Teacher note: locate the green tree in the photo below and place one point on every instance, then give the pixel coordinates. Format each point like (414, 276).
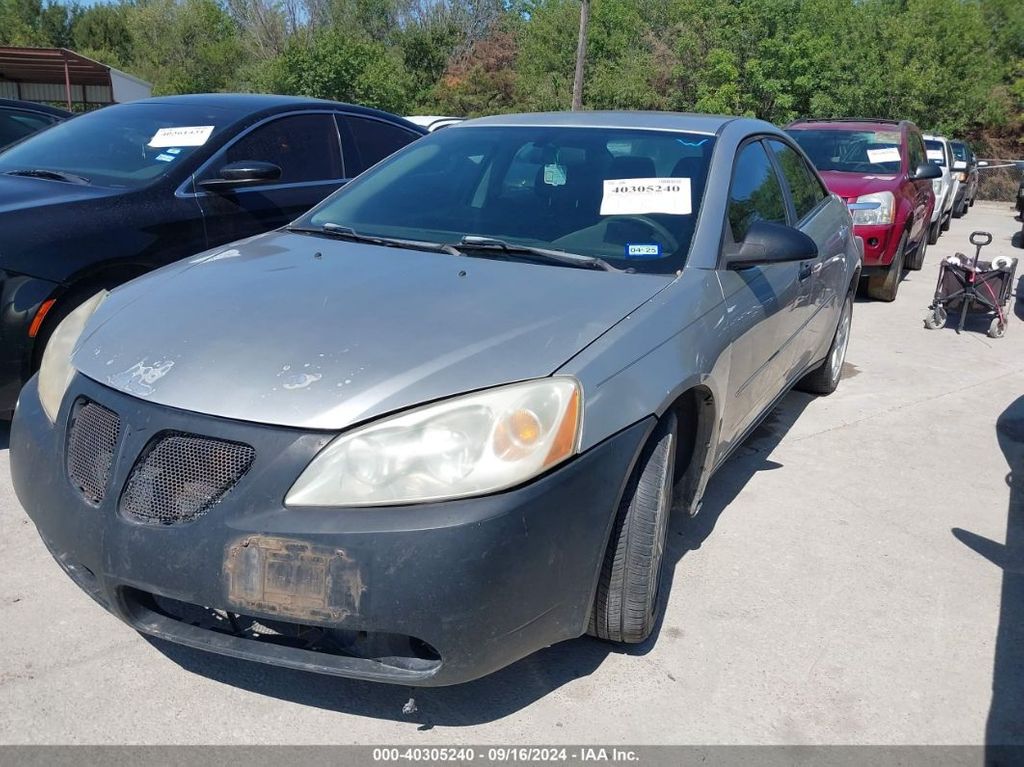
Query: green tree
(184, 46)
(337, 66)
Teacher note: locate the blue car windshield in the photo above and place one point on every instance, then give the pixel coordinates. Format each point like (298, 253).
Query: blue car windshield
(851, 151)
(127, 145)
(630, 197)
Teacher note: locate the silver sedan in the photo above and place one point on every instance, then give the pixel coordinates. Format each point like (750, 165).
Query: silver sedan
(440, 421)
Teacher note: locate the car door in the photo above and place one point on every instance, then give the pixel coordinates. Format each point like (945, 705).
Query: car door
(826, 221)
(761, 302)
(305, 146)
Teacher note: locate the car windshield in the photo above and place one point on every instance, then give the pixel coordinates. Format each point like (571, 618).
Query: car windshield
(851, 151)
(630, 197)
(128, 145)
(936, 153)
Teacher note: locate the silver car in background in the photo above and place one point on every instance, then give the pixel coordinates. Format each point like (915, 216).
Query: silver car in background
(940, 152)
(441, 421)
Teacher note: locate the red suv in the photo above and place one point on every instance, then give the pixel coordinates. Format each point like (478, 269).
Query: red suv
(880, 168)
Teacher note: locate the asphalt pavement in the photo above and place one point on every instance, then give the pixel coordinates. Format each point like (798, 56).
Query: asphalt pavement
(856, 576)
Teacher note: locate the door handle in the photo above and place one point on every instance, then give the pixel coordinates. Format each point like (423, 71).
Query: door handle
(805, 270)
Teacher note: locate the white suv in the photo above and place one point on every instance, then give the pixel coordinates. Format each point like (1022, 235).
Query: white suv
(945, 188)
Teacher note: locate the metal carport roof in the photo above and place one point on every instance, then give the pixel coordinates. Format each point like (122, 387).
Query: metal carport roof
(58, 74)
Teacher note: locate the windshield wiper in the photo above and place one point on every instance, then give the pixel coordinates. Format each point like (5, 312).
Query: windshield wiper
(53, 175)
(348, 233)
(561, 257)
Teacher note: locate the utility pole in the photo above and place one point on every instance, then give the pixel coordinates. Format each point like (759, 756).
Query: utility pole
(581, 56)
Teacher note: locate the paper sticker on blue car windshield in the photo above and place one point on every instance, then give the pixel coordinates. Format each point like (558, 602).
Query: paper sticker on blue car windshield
(643, 250)
(164, 157)
(640, 196)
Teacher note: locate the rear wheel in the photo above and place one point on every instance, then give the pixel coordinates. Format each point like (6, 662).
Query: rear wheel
(996, 328)
(825, 379)
(933, 232)
(884, 286)
(625, 606)
(946, 222)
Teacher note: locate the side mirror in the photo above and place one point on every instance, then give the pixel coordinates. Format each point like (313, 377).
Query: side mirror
(242, 173)
(768, 243)
(926, 171)
(959, 165)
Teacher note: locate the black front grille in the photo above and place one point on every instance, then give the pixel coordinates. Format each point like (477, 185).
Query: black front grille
(179, 477)
(92, 440)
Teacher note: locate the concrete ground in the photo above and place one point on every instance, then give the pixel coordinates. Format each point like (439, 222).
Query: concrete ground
(856, 576)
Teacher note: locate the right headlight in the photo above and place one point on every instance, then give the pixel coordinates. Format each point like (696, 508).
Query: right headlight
(467, 445)
(56, 371)
(875, 208)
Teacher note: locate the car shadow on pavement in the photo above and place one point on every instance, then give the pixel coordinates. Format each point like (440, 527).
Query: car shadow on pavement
(1006, 714)
(526, 681)
(5, 434)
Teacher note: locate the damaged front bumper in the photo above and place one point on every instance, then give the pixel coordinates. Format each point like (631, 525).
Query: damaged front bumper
(431, 594)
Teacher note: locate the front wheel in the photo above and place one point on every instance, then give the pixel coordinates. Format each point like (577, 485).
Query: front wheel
(933, 232)
(917, 260)
(884, 286)
(825, 379)
(626, 602)
(936, 318)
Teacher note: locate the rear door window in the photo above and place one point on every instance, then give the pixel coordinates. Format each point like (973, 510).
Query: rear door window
(804, 186)
(755, 193)
(304, 146)
(373, 140)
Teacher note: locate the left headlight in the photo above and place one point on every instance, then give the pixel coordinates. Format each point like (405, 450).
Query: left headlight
(56, 371)
(877, 208)
(468, 445)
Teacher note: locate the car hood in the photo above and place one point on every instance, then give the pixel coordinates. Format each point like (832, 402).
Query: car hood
(849, 186)
(300, 331)
(20, 192)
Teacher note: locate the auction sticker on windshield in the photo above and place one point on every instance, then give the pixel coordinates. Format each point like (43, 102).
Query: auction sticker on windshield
(195, 135)
(638, 196)
(886, 154)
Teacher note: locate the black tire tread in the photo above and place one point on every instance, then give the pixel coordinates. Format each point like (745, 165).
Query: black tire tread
(624, 607)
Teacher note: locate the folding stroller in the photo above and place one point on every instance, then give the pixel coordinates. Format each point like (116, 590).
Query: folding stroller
(978, 286)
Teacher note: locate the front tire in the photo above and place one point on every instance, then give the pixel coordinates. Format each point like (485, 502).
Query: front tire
(825, 378)
(917, 261)
(626, 603)
(883, 287)
(933, 233)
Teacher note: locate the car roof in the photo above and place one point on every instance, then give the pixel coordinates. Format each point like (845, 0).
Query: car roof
(934, 137)
(251, 103)
(670, 121)
(847, 123)
(32, 106)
